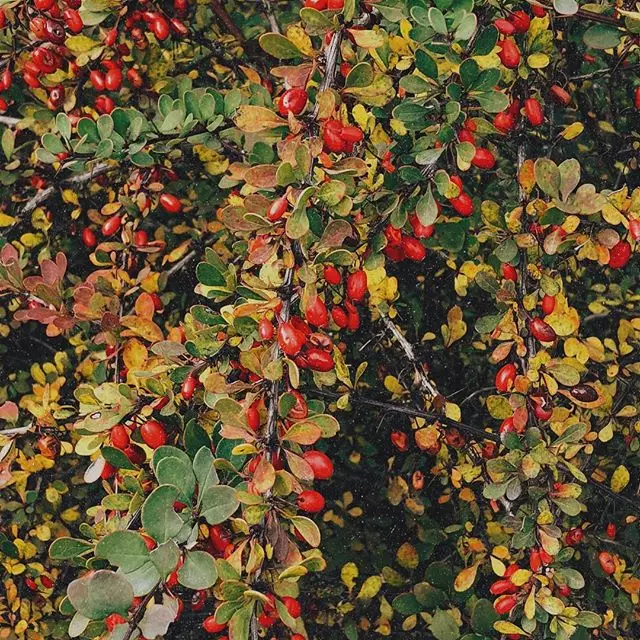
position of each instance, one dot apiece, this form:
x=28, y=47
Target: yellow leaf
x=80, y=44
x=299, y=37
x=367, y=38
x=348, y=574
x=620, y=479
x=134, y=354
x=408, y=556
x=253, y=119
x=530, y=605
x=572, y=131
x=6, y=220
x=370, y=588
x=538, y=60
x=392, y=385
x=502, y=626
x=520, y=577
x=465, y=579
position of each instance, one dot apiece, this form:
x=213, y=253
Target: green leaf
x=467, y=27
x=177, y=472
x=507, y=250
x=486, y=41
x=547, y=176
x=469, y=71
x=117, y=458
x=406, y=604
x=209, y=276
x=437, y=21
x=278, y=46
x=124, y=549
x=602, y=36
x=588, y=619
x=165, y=557
x=67, y=548
x=101, y=593
x=492, y=101
x=361, y=75
x=426, y=64
x=443, y=626
x=198, y=571
x=205, y=472
x=426, y=208
x=483, y=616
x=218, y=504
x=240, y=622
x=159, y=519
x=52, y=143
x=566, y=7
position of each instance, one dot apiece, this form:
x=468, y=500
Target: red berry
x=564, y=590
x=533, y=111
x=420, y=230
x=320, y=463
x=548, y=304
x=189, y=386
x=292, y=605
x=509, y=272
x=211, y=626
x=113, y=79
x=111, y=226
x=316, y=313
x=483, y=159
x=277, y=209
x=160, y=27
x=153, y=434
x=292, y=101
x=73, y=20
x=505, y=27
x=89, y=238
x=357, y=285
x=504, y=604
x=265, y=330
x=290, y=339
x=351, y=134
x=319, y=360
x=120, y=437
x=332, y=275
x=574, y=537
x=509, y=53
x=318, y=5
x=170, y=203
x=310, y=501
x=464, y=135
x=542, y=331
x=339, y=316
x=612, y=530
x=140, y=238
x=619, y=255
x=413, y=249
x=253, y=417
x=463, y=204
x=97, y=80
x=560, y=95
x=505, y=377
x=113, y=620
x=607, y=563
x=504, y=121
x=521, y=21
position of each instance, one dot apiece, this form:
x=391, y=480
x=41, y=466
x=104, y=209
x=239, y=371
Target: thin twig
x=225, y=19
x=139, y=613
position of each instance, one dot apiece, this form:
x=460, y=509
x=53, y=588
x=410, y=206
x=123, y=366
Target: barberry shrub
x=319, y=320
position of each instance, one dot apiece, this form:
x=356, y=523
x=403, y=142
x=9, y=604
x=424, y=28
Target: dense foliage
x=321, y=320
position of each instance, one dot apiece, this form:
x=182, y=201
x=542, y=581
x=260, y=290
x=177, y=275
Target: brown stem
x=139, y=613
x=225, y=19
x=582, y=13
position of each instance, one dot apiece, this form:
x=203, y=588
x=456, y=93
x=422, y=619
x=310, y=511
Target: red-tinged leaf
x=262, y=176
x=304, y=433
x=264, y=476
x=300, y=468
x=142, y=327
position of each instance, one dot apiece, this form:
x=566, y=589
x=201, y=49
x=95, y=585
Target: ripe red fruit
x=320, y=463
x=290, y=339
x=509, y=53
x=542, y=406
x=43, y=5
x=509, y=272
x=211, y=626
x=607, y=563
x=464, y=135
x=120, y=437
x=500, y=587
x=542, y=331
x=108, y=471
x=89, y=238
x=332, y=139
x=277, y=209
x=538, y=11
x=292, y=605
x=293, y=101
x=564, y=590
x=548, y=304
x=534, y=112
x=189, y=386
x=507, y=425
x=316, y=313
x=351, y=134
x=104, y=104
x=265, y=329
x=332, y=275
x=319, y=360
x=253, y=417
x=220, y=537
x=340, y=317
x=574, y=537
x=140, y=238
x=619, y=255
x=483, y=159
x=300, y=409
x=560, y=95
x=153, y=434
x=521, y=21
x=318, y=5
x=400, y=440
x=73, y=20
x=420, y=230
x=97, y=80
x=111, y=226
x=636, y=98
x=170, y=203
x=463, y=204
x=413, y=249
x=113, y=79
x=504, y=121
x=45, y=60
x=612, y=530
x=160, y=27
x=504, y=27
x=310, y=501
x=504, y=604
x=113, y=620
x=535, y=562
x=357, y=285
x=505, y=377
x=634, y=228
